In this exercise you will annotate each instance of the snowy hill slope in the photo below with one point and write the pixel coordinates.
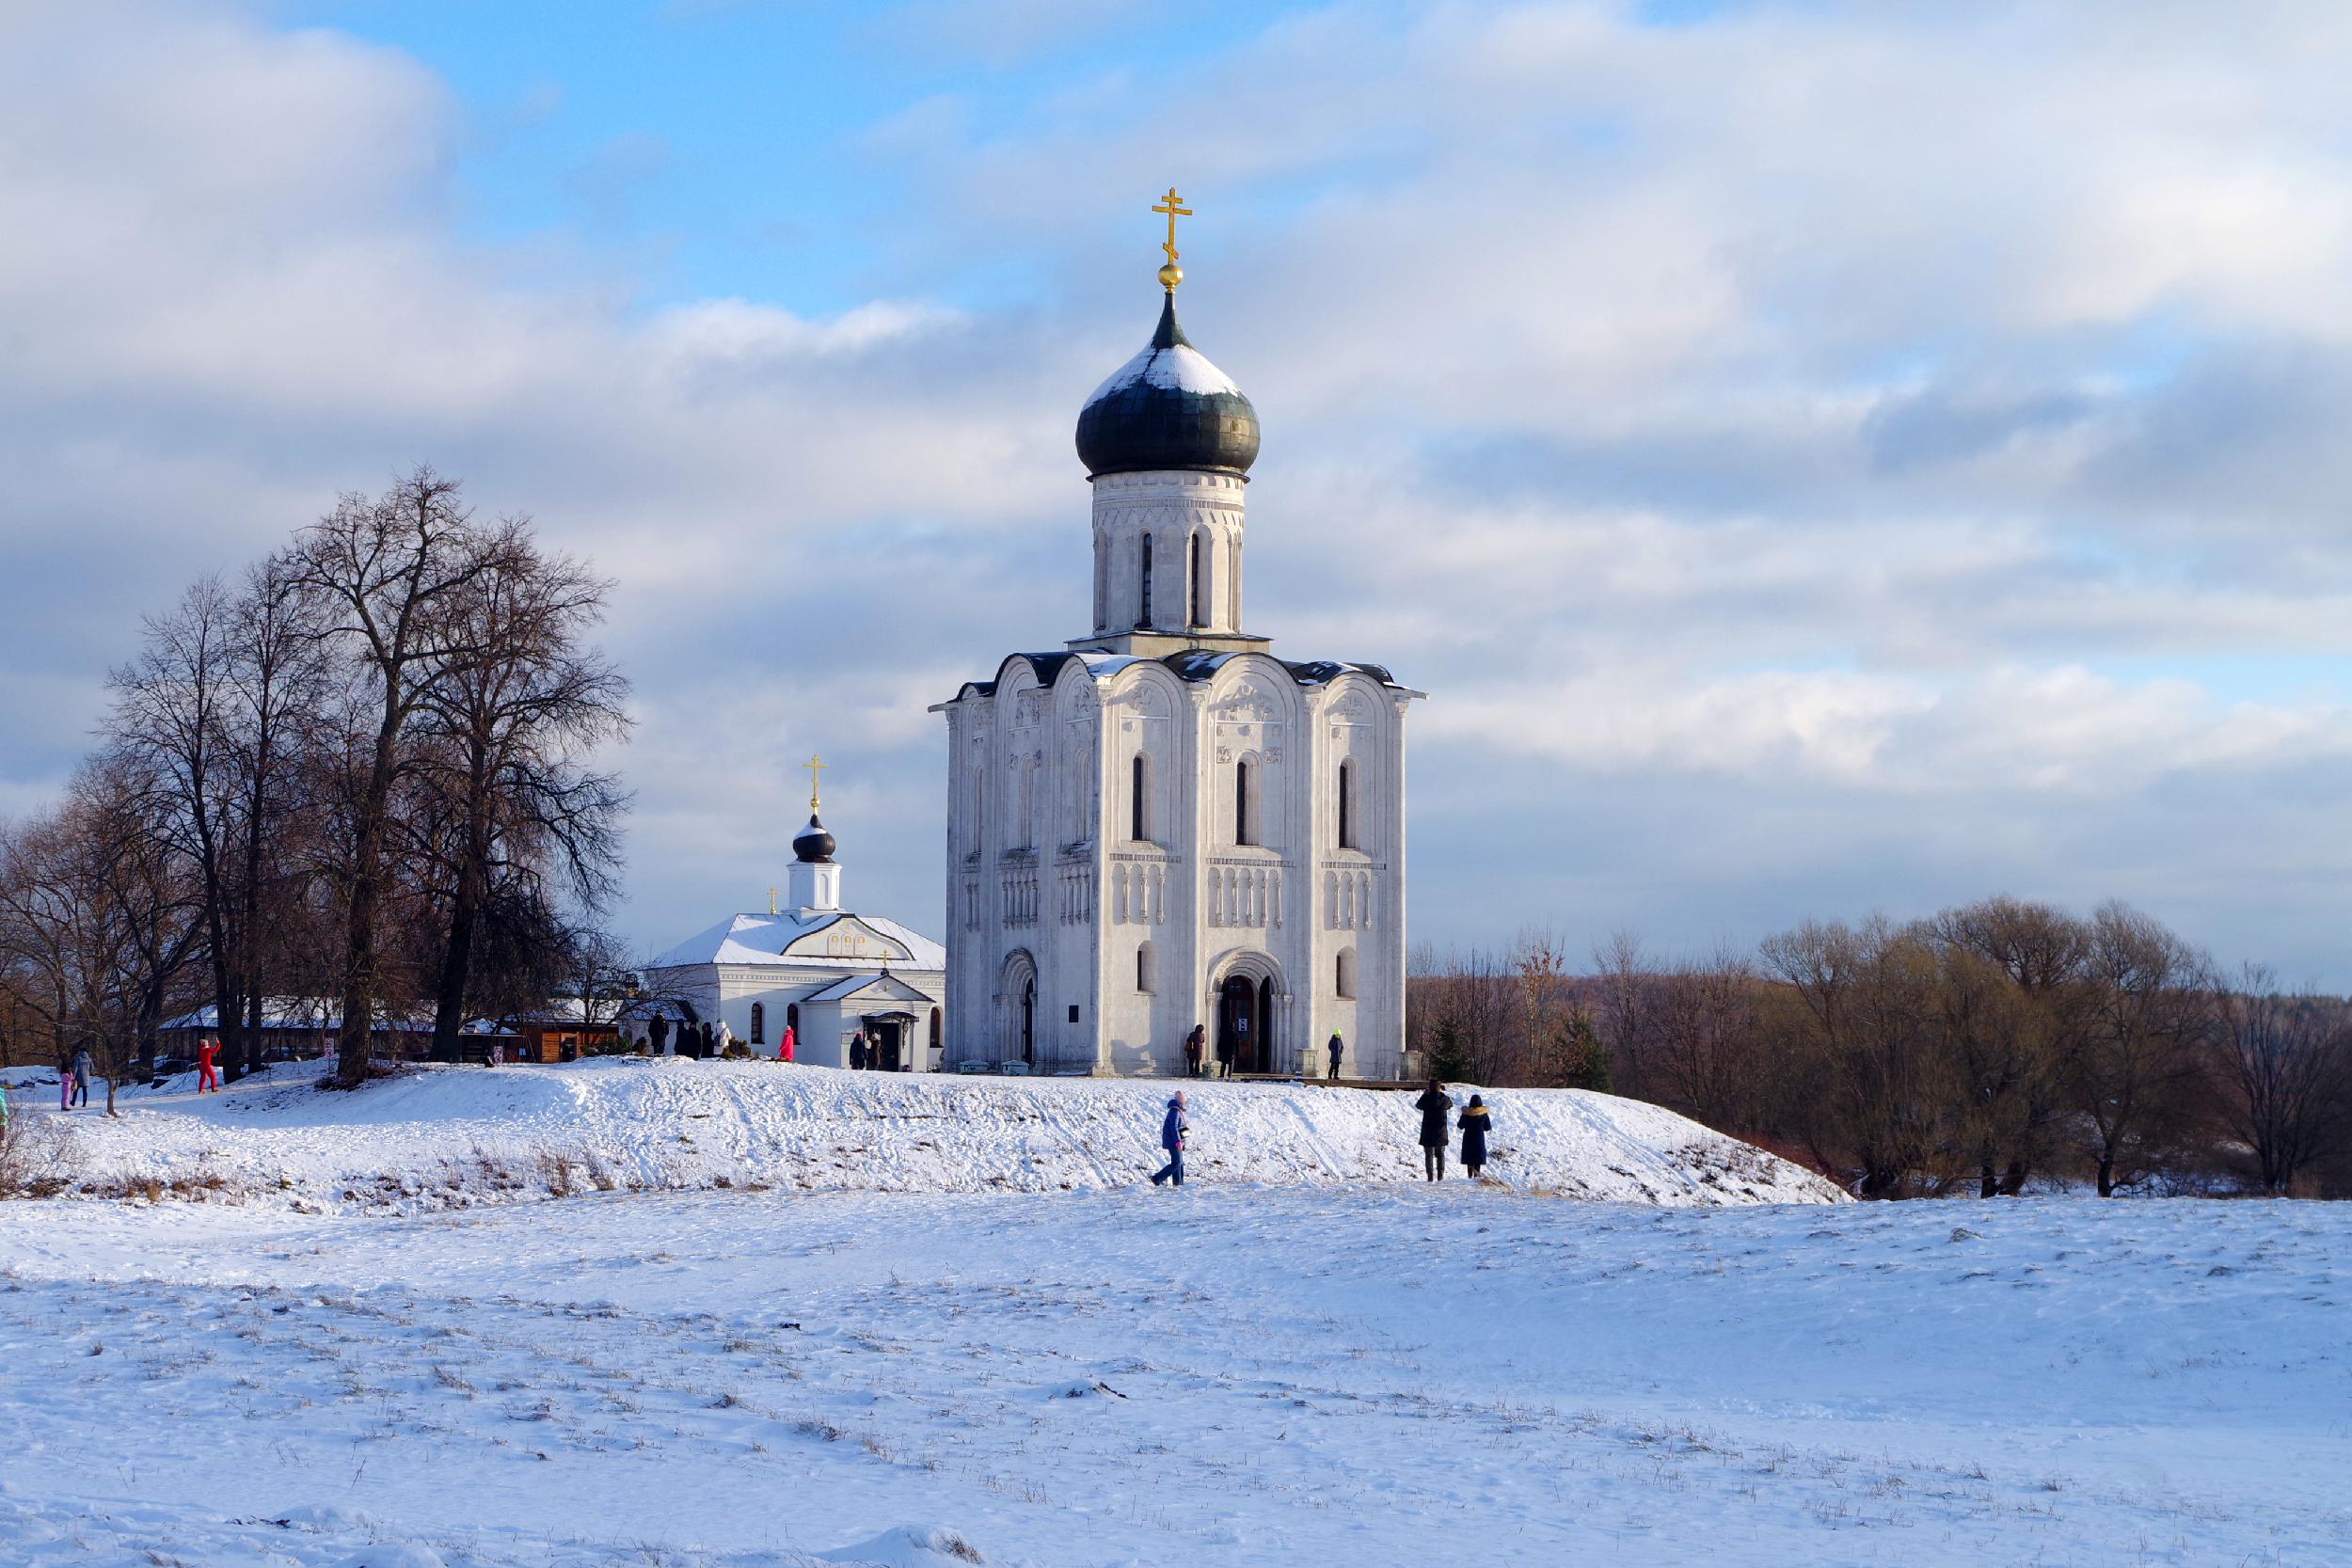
(439, 1137)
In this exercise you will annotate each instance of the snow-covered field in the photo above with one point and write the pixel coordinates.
(1362, 1375)
(439, 1137)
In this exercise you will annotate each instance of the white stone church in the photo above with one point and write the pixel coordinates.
(1163, 824)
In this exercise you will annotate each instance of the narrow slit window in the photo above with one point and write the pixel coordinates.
(1347, 805)
(1243, 826)
(1143, 606)
(1199, 594)
(1138, 796)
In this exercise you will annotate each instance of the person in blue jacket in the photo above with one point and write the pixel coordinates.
(1172, 1130)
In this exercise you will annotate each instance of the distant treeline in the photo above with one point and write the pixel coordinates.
(1987, 1048)
(359, 771)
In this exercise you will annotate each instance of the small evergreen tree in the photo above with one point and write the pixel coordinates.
(1584, 1059)
(1449, 1056)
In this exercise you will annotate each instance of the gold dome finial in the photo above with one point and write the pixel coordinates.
(1171, 274)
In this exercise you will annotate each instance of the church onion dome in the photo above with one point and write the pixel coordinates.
(812, 844)
(1168, 408)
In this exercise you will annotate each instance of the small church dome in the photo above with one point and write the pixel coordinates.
(812, 844)
(1168, 408)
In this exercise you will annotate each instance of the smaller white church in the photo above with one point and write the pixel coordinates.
(811, 966)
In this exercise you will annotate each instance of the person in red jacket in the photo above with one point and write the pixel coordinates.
(786, 1045)
(207, 1075)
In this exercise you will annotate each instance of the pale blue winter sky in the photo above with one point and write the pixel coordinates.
(1860, 456)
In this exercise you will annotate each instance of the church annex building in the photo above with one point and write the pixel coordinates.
(1163, 824)
(827, 974)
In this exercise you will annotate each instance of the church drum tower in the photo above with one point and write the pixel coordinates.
(1164, 823)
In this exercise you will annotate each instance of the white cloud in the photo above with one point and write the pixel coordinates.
(1862, 454)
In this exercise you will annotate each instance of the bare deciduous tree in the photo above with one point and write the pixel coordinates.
(2285, 1062)
(2149, 1005)
(504, 736)
(389, 577)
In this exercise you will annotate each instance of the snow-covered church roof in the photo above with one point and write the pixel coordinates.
(882, 987)
(812, 939)
(1187, 664)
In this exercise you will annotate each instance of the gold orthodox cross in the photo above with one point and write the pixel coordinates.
(814, 764)
(1174, 207)
(1170, 274)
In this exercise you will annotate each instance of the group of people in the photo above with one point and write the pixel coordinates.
(1436, 1108)
(706, 1040)
(693, 1039)
(1435, 1105)
(78, 1071)
(1197, 1043)
(74, 1076)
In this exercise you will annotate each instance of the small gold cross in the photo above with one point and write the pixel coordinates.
(813, 765)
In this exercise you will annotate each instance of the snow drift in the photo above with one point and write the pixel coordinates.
(439, 1137)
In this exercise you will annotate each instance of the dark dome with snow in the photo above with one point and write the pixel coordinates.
(1168, 408)
(813, 844)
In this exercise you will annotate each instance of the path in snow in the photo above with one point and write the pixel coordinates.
(439, 1137)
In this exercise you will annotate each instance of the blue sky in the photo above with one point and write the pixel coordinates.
(724, 146)
(1820, 458)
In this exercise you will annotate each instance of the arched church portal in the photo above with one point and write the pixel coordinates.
(1016, 1000)
(1248, 1014)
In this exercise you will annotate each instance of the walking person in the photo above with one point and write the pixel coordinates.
(857, 1052)
(83, 1072)
(1195, 1043)
(207, 1072)
(787, 1046)
(1338, 1048)
(1172, 1130)
(1474, 1124)
(1436, 1111)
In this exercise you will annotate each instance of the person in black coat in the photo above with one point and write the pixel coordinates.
(657, 1035)
(1436, 1111)
(857, 1052)
(708, 1042)
(1473, 1125)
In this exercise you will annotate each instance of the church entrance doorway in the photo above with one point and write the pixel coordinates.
(1028, 1021)
(1242, 1014)
(886, 1036)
